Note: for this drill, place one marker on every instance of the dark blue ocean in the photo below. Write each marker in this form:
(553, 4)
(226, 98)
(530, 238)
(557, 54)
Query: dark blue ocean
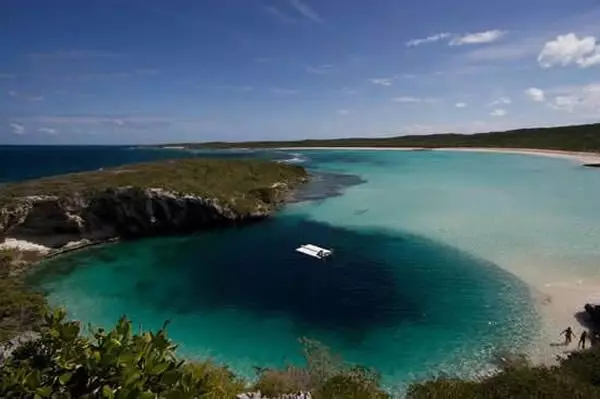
(29, 162)
(438, 257)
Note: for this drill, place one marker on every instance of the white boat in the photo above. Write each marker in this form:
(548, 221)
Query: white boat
(314, 251)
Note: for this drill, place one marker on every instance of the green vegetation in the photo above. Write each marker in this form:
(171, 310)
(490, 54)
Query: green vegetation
(568, 138)
(238, 183)
(577, 376)
(123, 365)
(20, 308)
(325, 376)
(116, 364)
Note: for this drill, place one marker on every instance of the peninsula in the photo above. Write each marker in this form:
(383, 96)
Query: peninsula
(48, 216)
(167, 197)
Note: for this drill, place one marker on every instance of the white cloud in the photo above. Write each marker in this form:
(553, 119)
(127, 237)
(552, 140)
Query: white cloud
(593, 59)
(408, 99)
(478, 38)
(501, 101)
(17, 129)
(343, 111)
(565, 103)
(429, 39)
(535, 94)
(569, 49)
(47, 130)
(349, 91)
(12, 93)
(498, 112)
(382, 81)
(236, 88)
(146, 72)
(279, 15)
(277, 90)
(99, 76)
(505, 52)
(577, 99)
(121, 121)
(320, 70)
(76, 54)
(306, 11)
(460, 105)
(474, 126)
(36, 98)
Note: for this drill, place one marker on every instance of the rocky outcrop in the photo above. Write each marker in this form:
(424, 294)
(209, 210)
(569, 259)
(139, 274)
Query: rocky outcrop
(127, 212)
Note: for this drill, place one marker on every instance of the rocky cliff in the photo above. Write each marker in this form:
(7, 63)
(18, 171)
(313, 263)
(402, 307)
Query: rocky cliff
(105, 213)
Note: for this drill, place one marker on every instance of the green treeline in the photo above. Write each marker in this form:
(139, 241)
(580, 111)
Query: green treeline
(568, 138)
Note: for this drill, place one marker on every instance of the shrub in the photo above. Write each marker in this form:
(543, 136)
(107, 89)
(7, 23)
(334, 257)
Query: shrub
(325, 375)
(568, 380)
(116, 364)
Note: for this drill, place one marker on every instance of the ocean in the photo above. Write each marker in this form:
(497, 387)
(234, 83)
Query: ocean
(435, 257)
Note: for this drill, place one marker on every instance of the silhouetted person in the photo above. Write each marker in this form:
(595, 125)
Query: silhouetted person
(568, 335)
(582, 338)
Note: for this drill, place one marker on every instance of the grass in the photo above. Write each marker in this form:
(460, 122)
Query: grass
(569, 138)
(237, 183)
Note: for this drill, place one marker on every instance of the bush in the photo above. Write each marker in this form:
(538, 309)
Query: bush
(325, 376)
(116, 364)
(585, 365)
(576, 377)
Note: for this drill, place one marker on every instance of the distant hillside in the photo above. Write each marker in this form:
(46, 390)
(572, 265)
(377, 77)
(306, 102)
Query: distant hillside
(569, 138)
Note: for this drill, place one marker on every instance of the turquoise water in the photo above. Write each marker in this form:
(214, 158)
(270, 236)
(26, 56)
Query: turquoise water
(415, 288)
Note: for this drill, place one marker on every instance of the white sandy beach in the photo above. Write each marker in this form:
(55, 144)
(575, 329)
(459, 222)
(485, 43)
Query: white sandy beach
(580, 157)
(559, 294)
(22, 245)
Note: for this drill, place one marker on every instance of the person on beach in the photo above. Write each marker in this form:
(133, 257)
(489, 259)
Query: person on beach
(568, 333)
(582, 338)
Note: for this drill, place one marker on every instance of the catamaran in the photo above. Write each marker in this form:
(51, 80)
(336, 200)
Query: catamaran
(314, 251)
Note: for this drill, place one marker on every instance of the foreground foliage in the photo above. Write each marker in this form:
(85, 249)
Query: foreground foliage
(119, 364)
(116, 364)
(324, 375)
(577, 377)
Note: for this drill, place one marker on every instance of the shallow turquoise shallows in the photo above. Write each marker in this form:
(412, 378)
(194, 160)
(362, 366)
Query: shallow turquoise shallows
(415, 287)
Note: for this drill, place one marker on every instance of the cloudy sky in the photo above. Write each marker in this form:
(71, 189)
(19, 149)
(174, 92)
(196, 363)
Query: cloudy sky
(148, 71)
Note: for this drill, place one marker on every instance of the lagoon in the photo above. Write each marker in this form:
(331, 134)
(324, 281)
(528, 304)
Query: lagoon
(442, 260)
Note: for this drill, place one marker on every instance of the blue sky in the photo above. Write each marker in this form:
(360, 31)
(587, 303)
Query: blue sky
(152, 71)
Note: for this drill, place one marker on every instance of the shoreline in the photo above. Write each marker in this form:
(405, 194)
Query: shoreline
(557, 298)
(558, 292)
(581, 157)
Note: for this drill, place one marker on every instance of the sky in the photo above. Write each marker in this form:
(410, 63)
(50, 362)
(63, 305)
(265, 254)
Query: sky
(158, 71)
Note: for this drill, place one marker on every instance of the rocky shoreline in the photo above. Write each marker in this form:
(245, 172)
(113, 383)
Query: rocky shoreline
(63, 223)
(43, 219)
